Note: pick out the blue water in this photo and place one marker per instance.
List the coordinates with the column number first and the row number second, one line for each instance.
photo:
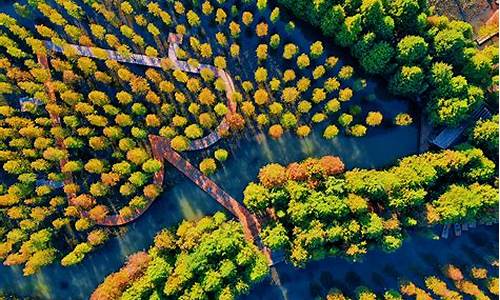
column 419, row 257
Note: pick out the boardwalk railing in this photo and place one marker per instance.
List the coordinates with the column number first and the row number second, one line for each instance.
column 161, row 146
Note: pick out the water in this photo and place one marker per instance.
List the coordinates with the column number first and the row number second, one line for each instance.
column 418, row 258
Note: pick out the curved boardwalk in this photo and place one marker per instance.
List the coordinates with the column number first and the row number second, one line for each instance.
column 161, row 146
column 143, row 60
column 251, row 224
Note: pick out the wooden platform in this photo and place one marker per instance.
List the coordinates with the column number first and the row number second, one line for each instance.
column 450, row 135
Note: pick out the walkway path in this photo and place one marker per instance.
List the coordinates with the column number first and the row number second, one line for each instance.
column 139, row 59
column 251, row 224
column 161, row 146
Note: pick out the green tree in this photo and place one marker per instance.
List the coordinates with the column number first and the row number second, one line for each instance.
column 411, row 50
column 408, row 82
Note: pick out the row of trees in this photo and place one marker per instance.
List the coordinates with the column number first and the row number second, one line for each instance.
column 315, row 214
column 479, row 286
column 204, row 259
column 418, row 52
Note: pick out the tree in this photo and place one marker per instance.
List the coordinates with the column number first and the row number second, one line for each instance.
column 275, row 237
column 272, row 175
column 261, row 74
column 98, row 213
column 290, row 94
column 472, row 198
column 38, row 260
column 179, row 143
column 303, row 61
column 275, row 131
column 405, row 14
column 349, row 30
column 206, row 97
column 95, row 166
column 193, row 19
column 289, row 51
column 137, row 155
column 220, row 16
column 345, row 119
column 261, row 4
column 274, row 41
column 247, row 18
column 97, row 237
column 408, row 82
column 151, row 166
column 449, row 45
column 403, row 119
column 330, row 132
column 304, row 106
column 193, row 131
column 357, row 130
column 485, row 135
column 261, row 29
column 275, row 15
column 221, row 154
column 220, row 62
column 479, row 67
column 316, row 49
column 374, row 118
column 261, row 52
column 411, row 50
column 288, row 120
column 332, row 20
column 378, row 58
column 261, row 97
column 318, row 95
column 207, row 8
column 235, row 121
column 303, row 84
column 208, row 166
column 289, row 75
column 303, row 131
column 345, row 94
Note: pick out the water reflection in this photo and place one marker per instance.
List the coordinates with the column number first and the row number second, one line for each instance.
column 419, row 257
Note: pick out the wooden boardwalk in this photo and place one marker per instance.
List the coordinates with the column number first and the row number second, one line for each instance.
column 138, row 59
column 160, row 146
column 251, row 224
column 143, row 60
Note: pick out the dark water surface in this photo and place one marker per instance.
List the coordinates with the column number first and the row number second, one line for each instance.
column 419, row 257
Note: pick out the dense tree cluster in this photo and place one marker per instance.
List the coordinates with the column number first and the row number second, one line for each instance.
column 419, row 52
column 204, row 259
column 316, row 213
column 484, row 135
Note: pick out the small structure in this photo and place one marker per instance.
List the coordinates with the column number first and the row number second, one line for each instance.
column 446, row 231
column 457, row 229
column 24, row 101
column 53, row 184
column 450, row 135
